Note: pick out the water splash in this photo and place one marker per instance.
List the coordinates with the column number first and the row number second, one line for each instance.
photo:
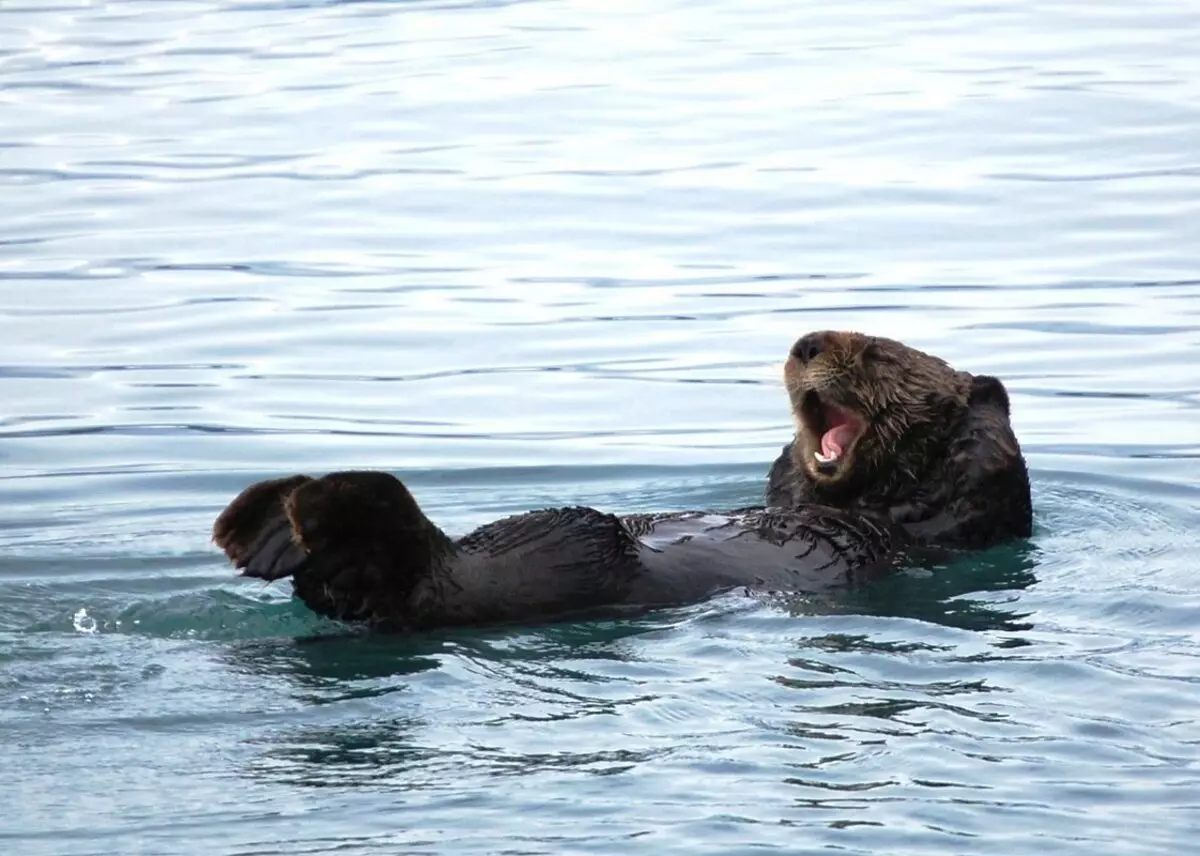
column 83, row 622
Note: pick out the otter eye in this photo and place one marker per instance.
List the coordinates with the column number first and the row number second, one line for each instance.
column 872, row 353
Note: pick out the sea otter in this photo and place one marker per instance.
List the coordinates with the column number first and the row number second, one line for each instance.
column 359, row 549
column 887, row 430
column 894, row 451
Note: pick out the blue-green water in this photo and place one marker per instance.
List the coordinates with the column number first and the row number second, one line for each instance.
column 529, row 253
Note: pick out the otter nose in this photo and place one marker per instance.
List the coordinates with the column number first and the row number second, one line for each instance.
column 808, row 347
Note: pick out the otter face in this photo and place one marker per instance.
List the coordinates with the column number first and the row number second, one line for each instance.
column 866, row 406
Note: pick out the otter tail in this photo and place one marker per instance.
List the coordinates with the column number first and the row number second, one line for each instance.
column 354, row 543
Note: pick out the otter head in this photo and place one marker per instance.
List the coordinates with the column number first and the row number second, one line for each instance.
column 870, row 412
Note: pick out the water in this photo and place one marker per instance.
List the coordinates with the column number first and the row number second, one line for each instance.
column 528, row 253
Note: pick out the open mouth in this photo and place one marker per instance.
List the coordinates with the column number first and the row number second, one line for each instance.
column 836, row 427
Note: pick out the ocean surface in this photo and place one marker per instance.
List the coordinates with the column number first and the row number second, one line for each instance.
column 537, row 253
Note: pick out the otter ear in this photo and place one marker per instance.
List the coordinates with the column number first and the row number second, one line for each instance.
column 986, row 389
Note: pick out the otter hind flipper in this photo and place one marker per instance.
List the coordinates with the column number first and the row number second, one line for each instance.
column 352, row 511
column 254, row 531
column 355, row 543
column 368, row 545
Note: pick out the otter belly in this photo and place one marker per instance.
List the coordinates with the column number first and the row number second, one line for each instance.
column 692, row 556
column 665, row 531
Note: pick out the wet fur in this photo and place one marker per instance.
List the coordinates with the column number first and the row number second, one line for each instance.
column 938, row 456
column 938, row 464
column 359, row 549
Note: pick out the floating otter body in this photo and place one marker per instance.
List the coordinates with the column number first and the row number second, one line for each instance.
column 886, row 430
column 894, row 450
column 359, row 549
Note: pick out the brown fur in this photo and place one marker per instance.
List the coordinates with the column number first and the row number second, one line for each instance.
column 937, row 454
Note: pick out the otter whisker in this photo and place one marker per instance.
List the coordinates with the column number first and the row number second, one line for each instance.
column 817, row 381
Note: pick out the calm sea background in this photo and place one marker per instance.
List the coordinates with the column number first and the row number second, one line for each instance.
column 531, row 253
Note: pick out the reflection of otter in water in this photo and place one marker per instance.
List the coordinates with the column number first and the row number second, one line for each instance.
column 886, row 429
column 894, row 449
column 359, row 548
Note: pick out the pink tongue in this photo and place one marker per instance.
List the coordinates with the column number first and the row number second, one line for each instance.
column 836, row 439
